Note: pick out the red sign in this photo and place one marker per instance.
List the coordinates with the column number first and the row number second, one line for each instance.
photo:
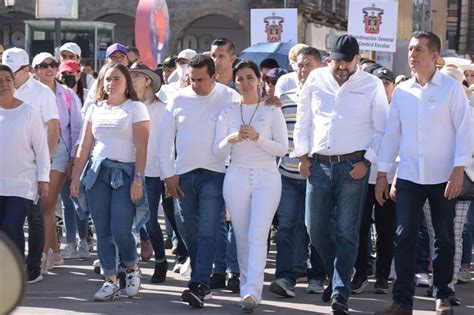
column 372, row 19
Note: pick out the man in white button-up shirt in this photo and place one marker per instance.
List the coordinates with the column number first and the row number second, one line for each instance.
column 429, row 127
column 340, row 121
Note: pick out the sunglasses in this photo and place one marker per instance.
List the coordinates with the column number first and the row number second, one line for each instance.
column 266, row 78
column 52, row 65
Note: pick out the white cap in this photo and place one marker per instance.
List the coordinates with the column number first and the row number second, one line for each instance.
column 72, row 47
column 187, row 54
column 15, row 58
column 39, row 58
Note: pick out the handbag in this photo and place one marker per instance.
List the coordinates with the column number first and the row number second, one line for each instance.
column 467, row 190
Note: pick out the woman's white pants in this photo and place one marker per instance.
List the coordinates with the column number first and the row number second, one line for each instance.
column 252, row 196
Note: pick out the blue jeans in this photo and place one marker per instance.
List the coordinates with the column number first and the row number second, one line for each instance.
column 334, row 205
column 467, row 236
column 226, row 249
column 423, row 248
column 410, row 200
column 13, row 211
column 201, row 211
column 292, row 246
column 113, row 211
column 72, row 222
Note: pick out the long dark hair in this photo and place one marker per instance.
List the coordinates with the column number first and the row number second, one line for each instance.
column 130, row 92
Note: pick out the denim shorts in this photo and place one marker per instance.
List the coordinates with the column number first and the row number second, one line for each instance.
column 60, row 158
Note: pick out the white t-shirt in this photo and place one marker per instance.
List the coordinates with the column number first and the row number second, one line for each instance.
column 112, row 128
column 188, row 128
column 24, row 152
column 41, row 97
column 155, row 110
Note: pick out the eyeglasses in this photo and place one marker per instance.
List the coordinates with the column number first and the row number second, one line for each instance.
column 52, row 65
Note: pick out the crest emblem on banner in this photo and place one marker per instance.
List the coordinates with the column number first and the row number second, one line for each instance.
column 372, row 19
column 274, row 27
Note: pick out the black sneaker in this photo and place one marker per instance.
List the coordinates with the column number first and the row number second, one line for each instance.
column 159, row 276
column 195, row 295
column 218, row 281
column 34, row 275
column 454, row 300
column 381, row 286
column 359, row 283
column 326, row 297
column 339, row 305
column 232, row 282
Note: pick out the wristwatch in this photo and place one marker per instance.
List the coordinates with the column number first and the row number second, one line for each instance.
column 367, row 163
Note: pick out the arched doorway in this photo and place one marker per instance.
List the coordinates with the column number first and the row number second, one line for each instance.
column 199, row 34
column 124, row 31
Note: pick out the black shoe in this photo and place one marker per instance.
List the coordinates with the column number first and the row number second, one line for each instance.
column 34, row 275
column 195, row 295
column 232, row 282
column 454, row 300
column 429, row 292
column 381, row 286
column 160, row 272
column 339, row 305
column 218, row 281
column 359, row 283
column 326, row 297
column 121, row 276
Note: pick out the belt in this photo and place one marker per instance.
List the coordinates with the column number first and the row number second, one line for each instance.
column 339, row 158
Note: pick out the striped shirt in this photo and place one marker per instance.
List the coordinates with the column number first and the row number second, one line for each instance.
column 289, row 166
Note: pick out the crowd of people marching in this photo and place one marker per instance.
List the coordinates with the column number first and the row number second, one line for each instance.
column 234, row 152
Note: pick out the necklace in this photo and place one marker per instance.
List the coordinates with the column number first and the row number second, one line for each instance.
column 253, row 114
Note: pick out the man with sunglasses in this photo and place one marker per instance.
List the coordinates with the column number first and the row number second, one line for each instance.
column 38, row 95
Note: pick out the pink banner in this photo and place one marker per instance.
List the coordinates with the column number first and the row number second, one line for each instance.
column 152, row 31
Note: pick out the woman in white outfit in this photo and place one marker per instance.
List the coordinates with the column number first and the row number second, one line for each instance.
column 254, row 135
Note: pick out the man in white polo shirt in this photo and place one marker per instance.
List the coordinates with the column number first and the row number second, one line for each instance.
column 429, row 128
column 41, row 97
column 195, row 177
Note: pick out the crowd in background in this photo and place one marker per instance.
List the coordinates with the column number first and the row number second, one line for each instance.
column 318, row 158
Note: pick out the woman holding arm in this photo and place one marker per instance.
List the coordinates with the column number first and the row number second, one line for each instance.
column 254, row 135
column 24, row 170
column 115, row 137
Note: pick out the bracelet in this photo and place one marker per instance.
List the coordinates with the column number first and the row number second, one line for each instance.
column 137, row 182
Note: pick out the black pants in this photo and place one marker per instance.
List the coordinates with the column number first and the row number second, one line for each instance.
column 35, row 237
column 385, row 226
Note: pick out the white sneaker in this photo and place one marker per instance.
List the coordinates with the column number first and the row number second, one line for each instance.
column 132, row 281
column 108, row 292
column 69, row 251
column 464, row 275
column 49, row 260
column 422, row 280
column 248, row 304
column 315, row 286
column 44, row 269
column 83, row 250
column 57, row 259
column 185, row 270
